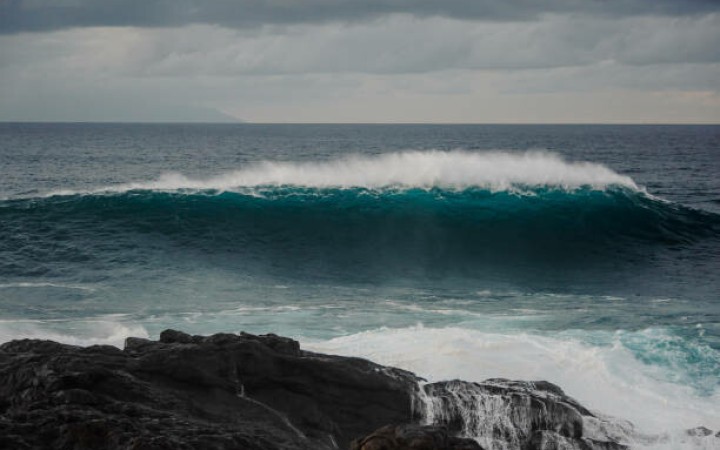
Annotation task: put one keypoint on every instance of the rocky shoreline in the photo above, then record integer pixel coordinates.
(229, 391)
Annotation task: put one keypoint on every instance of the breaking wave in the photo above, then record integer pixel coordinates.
(401, 211)
(493, 171)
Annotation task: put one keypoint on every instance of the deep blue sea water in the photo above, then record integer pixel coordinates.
(585, 255)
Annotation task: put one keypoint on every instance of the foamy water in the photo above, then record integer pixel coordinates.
(608, 379)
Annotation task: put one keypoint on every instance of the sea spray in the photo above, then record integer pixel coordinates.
(494, 171)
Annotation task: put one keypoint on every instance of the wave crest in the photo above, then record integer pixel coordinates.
(494, 171)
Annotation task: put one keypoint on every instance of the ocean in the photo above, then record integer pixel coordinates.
(585, 255)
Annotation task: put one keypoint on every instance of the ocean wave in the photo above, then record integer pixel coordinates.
(397, 214)
(473, 213)
(336, 232)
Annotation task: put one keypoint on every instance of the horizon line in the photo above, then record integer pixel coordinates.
(124, 122)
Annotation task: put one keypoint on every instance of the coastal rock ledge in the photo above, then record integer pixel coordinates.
(229, 391)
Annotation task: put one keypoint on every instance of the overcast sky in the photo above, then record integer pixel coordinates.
(459, 61)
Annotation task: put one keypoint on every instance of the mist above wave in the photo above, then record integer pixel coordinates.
(495, 171)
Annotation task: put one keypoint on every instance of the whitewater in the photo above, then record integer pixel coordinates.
(586, 257)
(495, 171)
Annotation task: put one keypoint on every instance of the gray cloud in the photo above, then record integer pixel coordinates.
(393, 45)
(522, 61)
(442, 97)
(43, 15)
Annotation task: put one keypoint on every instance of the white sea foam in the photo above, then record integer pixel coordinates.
(608, 379)
(497, 171)
(30, 285)
(107, 330)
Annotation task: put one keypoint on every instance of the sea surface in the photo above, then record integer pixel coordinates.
(588, 256)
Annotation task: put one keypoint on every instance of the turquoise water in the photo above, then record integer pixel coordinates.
(585, 255)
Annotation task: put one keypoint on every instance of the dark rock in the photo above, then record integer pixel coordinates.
(549, 440)
(413, 437)
(252, 392)
(221, 391)
(34, 346)
(133, 344)
(171, 336)
(699, 432)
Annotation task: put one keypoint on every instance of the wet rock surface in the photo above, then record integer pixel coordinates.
(699, 432)
(516, 414)
(229, 391)
(223, 391)
(413, 437)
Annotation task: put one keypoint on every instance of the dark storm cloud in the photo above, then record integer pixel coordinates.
(42, 15)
